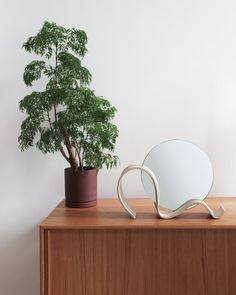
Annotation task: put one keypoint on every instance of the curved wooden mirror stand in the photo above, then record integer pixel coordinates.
(162, 213)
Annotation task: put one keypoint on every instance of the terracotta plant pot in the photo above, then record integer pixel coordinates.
(81, 187)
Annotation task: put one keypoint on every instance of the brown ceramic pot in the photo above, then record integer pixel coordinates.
(81, 187)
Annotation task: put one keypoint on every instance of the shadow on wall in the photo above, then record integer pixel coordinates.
(19, 269)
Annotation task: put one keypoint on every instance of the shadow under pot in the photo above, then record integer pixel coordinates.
(81, 187)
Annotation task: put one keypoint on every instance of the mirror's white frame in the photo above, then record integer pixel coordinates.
(164, 214)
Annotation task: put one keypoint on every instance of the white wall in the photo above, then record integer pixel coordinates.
(170, 69)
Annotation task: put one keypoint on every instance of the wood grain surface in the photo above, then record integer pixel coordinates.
(101, 251)
(109, 213)
(140, 262)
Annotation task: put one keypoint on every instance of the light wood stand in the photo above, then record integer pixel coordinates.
(101, 251)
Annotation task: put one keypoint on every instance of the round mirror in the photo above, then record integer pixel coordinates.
(183, 172)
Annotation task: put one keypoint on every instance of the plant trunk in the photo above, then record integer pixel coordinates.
(72, 155)
(74, 164)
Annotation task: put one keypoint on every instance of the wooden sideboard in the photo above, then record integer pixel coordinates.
(101, 251)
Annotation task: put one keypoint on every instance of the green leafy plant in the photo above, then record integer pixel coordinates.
(67, 116)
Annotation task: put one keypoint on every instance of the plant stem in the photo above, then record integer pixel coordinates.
(64, 155)
(72, 155)
(61, 148)
(79, 157)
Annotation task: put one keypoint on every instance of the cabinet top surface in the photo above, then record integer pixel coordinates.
(109, 214)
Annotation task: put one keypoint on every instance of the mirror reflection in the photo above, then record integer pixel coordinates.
(183, 172)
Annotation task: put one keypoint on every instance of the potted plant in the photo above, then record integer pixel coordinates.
(67, 116)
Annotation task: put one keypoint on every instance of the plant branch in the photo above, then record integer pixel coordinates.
(61, 148)
(79, 157)
(72, 156)
(83, 153)
(56, 65)
(64, 154)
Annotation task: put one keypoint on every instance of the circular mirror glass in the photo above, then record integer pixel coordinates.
(183, 172)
